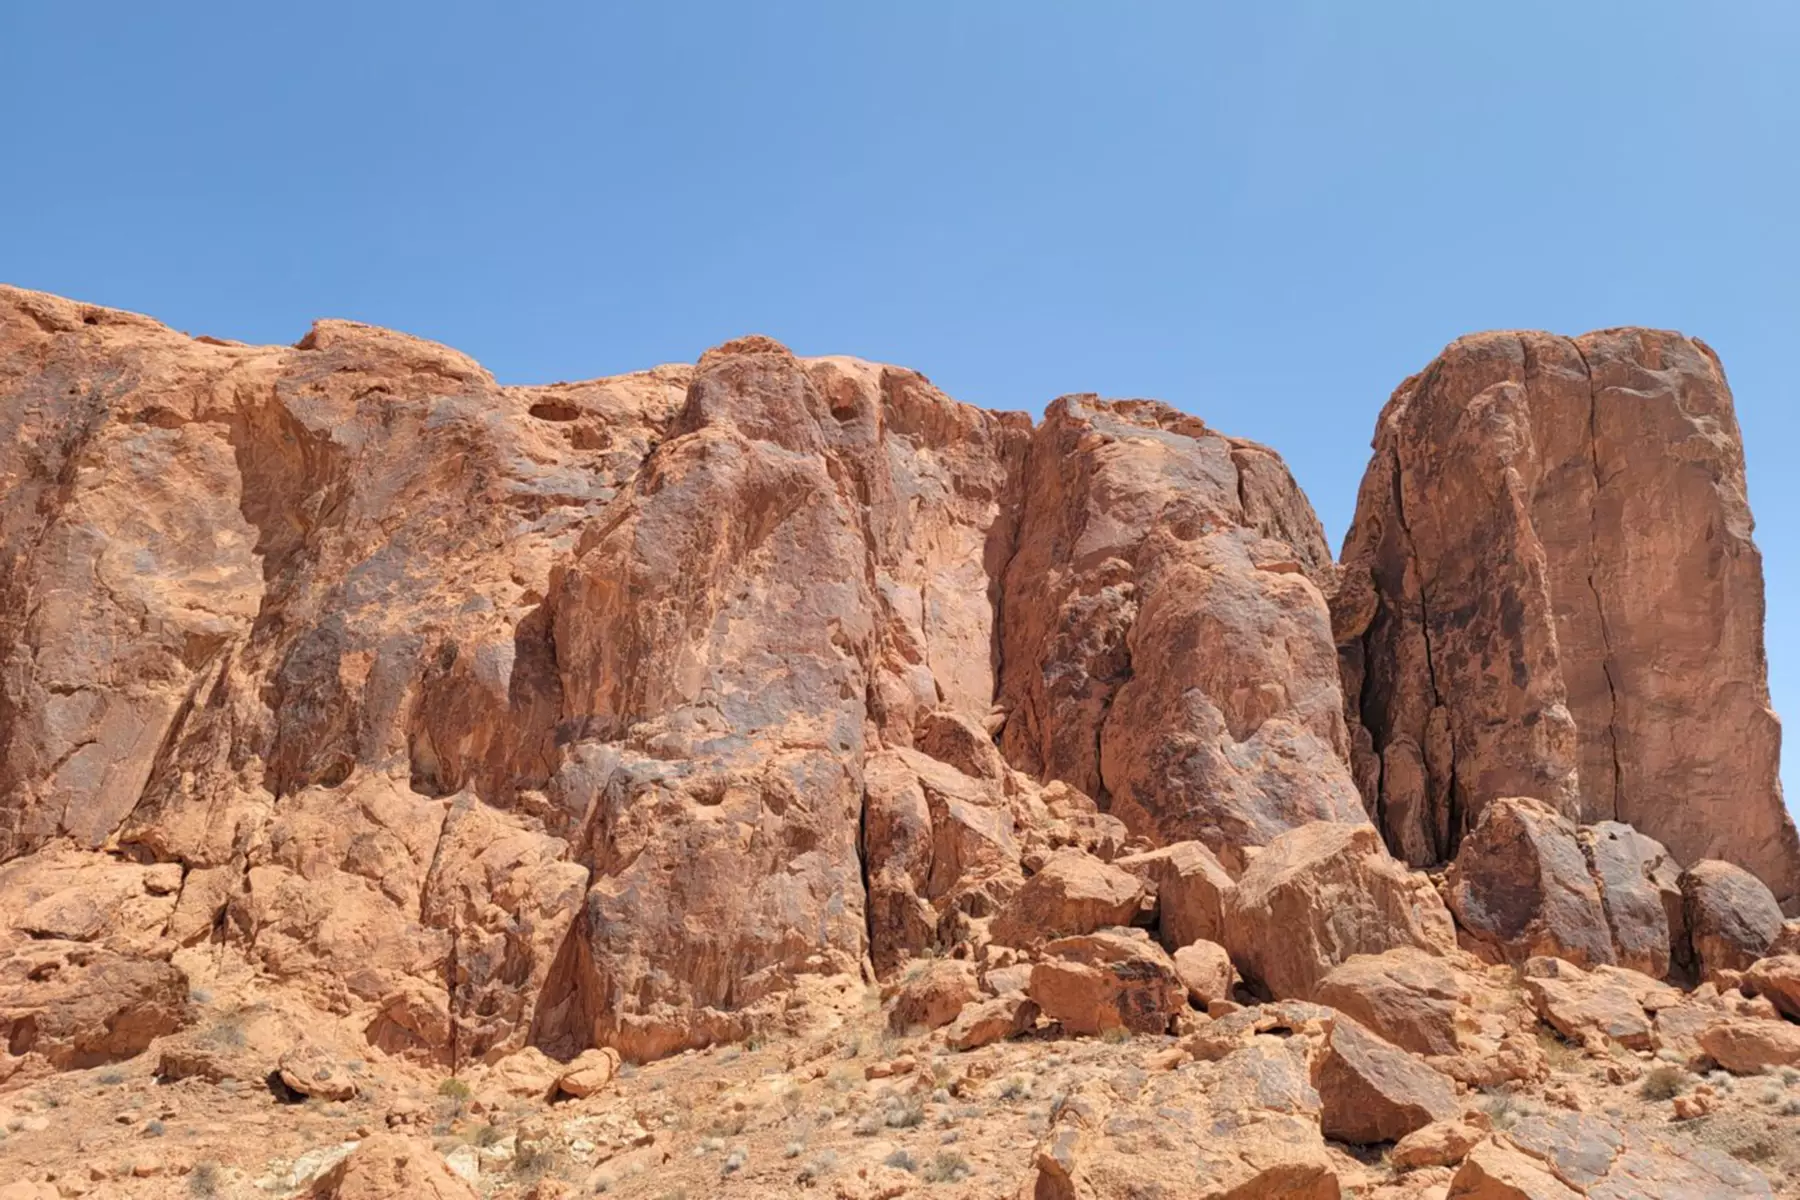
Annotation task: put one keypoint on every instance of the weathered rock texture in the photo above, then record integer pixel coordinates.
(434, 749)
(1550, 590)
(1165, 644)
(601, 713)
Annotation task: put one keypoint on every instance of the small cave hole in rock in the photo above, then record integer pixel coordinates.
(554, 410)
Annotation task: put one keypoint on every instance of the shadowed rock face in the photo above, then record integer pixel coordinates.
(549, 714)
(1550, 590)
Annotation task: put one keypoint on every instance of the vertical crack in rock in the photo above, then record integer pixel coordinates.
(1454, 800)
(1607, 665)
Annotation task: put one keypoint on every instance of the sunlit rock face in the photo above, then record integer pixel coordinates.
(1550, 590)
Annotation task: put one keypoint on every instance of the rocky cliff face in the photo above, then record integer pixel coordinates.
(1550, 590)
(363, 721)
(549, 714)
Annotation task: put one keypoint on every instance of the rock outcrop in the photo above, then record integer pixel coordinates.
(479, 759)
(1550, 590)
(1552, 1158)
(601, 713)
(1164, 639)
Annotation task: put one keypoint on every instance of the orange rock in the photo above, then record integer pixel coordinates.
(1320, 894)
(313, 1072)
(1749, 1047)
(1074, 893)
(1520, 885)
(1609, 1003)
(589, 1072)
(391, 1167)
(76, 1005)
(1189, 884)
(1550, 589)
(1572, 1155)
(1162, 642)
(1441, 1144)
(1206, 971)
(991, 1021)
(1777, 978)
(1406, 995)
(933, 996)
(1111, 979)
(1732, 918)
(1372, 1091)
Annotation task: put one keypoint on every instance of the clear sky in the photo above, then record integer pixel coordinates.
(1266, 213)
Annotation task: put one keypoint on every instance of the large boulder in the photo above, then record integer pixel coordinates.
(312, 1071)
(1372, 1091)
(1073, 893)
(1408, 996)
(1320, 894)
(1572, 1156)
(1111, 979)
(1520, 887)
(1189, 884)
(73, 1005)
(391, 1167)
(931, 995)
(991, 1021)
(1550, 589)
(1205, 968)
(1640, 891)
(1732, 918)
(1246, 1125)
(1778, 978)
(1747, 1046)
(1606, 1004)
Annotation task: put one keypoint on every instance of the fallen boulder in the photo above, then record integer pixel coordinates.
(1318, 895)
(1405, 995)
(1732, 917)
(1371, 1091)
(1075, 893)
(1110, 979)
(1520, 887)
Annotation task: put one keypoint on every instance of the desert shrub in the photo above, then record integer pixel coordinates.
(906, 1114)
(947, 1167)
(1663, 1083)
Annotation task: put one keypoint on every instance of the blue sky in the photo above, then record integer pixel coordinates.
(1268, 214)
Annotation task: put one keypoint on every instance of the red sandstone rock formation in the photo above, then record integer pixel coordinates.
(601, 713)
(1550, 590)
(458, 728)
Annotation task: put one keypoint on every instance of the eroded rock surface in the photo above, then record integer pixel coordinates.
(478, 759)
(1550, 590)
(601, 713)
(1164, 637)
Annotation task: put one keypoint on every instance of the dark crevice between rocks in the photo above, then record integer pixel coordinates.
(1453, 801)
(566, 1016)
(862, 871)
(1018, 489)
(1606, 661)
